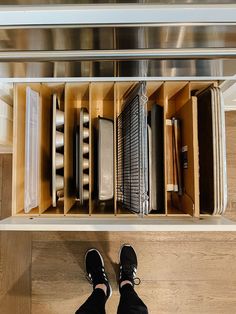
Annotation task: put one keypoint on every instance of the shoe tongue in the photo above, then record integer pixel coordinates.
(129, 269)
(98, 278)
(128, 273)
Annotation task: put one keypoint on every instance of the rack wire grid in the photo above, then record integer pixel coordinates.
(132, 152)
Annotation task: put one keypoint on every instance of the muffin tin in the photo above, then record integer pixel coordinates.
(57, 151)
(82, 157)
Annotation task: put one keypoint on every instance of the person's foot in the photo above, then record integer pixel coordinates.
(96, 274)
(128, 266)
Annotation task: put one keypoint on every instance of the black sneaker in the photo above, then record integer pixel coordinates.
(95, 270)
(128, 265)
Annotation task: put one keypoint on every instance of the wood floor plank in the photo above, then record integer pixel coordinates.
(163, 297)
(230, 119)
(6, 185)
(1, 157)
(174, 261)
(185, 278)
(15, 272)
(187, 297)
(15, 254)
(132, 236)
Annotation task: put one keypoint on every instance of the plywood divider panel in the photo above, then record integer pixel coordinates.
(33, 213)
(175, 95)
(189, 201)
(153, 91)
(123, 89)
(182, 96)
(172, 87)
(160, 95)
(45, 149)
(18, 171)
(102, 105)
(184, 108)
(165, 101)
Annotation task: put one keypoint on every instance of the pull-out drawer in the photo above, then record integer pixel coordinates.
(181, 210)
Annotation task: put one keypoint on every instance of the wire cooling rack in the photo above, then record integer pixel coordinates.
(132, 152)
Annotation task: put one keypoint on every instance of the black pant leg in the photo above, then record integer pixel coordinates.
(95, 304)
(130, 303)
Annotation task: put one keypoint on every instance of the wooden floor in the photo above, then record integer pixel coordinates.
(15, 253)
(231, 163)
(184, 273)
(180, 272)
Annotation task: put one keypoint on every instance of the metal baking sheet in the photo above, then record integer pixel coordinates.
(223, 153)
(157, 173)
(54, 190)
(215, 150)
(206, 154)
(219, 158)
(150, 170)
(105, 159)
(222, 156)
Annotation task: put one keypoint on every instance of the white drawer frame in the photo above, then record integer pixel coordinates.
(108, 15)
(118, 224)
(185, 224)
